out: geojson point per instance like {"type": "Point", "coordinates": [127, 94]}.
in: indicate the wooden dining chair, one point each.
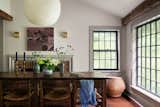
{"type": "Point", "coordinates": [55, 93]}
{"type": "Point", "coordinates": [16, 93]}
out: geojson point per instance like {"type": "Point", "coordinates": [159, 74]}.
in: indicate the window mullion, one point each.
{"type": "Point", "coordinates": [99, 48]}
{"type": "Point", "coordinates": [117, 48]}
{"type": "Point", "coordinates": [150, 57]}
{"type": "Point", "coordinates": [137, 56]}
{"type": "Point", "coordinates": [145, 57]}
{"type": "Point", "coordinates": [105, 48]}
{"type": "Point", "coordinates": [156, 55]}
{"type": "Point", "coordinates": [141, 56]}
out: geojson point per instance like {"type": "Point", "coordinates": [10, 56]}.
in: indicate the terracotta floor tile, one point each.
{"type": "Point", "coordinates": [117, 102]}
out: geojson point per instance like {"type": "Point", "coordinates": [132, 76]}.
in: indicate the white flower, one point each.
{"type": "Point", "coordinates": [55, 61]}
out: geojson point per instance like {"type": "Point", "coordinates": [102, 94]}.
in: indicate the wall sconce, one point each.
{"type": "Point", "coordinates": [64, 34]}
{"type": "Point", "coordinates": [16, 34]}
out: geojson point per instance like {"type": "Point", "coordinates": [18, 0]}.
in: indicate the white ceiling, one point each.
{"type": "Point", "coordinates": [116, 7]}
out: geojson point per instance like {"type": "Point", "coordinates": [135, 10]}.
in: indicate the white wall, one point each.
{"type": "Point", "coordinates": [76, 17]}
{"type": "Point", "coordinates": [5, 6]}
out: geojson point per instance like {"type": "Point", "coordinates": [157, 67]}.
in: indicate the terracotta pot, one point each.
{"type": "Point", "coordinates": [115, 87]}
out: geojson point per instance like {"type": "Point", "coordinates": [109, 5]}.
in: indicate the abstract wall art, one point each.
{"type": "Point", "coordinates": [40, 39]}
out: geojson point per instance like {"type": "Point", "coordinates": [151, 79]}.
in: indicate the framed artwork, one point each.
{"type": "Point", "coordinates": [40, 39]}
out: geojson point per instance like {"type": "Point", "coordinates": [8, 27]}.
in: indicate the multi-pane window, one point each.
{"type": "Point", "coordinates": [105, 50]}
{"type": "Point", "coordinates": [148, 56]}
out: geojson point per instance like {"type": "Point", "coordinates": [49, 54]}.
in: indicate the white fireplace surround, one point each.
{"type": "Point", "coordinates": [11, 60]}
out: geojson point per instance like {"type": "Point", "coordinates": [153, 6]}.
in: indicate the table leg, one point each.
{"type": "Point", "coordinates": [104, 92]}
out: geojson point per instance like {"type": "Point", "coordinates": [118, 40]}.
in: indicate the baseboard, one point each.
{"type": "Point", "coordinates": [132, 100]}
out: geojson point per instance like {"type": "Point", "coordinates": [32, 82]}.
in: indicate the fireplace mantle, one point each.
{"type": "Point", "coordinates": [66, 59]}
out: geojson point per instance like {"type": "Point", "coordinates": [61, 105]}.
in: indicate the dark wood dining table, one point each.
{"type": "Point", "coordinates": [35, 77]}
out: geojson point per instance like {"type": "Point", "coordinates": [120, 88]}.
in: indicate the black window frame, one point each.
{"type": "Point", "coordinates": [150, 68]}
{"type": "Point", "coordinates": [116, 50]}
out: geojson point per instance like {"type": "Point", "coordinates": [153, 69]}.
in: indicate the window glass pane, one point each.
{"type": "Point", "coordinates": [147, 40]}
{"type": "Point", "coordinates": [153, 86]}
{"type": "Point", "coordinates": [139, 71]}
{"type": "Point", "coordinates": [96, 64]}
{"type": "Point", "coordinates": [158, 64]}
{"type": "Point", "coordinates": [148, 29]}
{"type": "Point", "coordinates": [107, 45]}
{"type": "Point", "coordinates": [113, 36]}
{"type": "Point", "coordinates": [158, 38]}
{"type": "Point", "coordinates": [143, 82]}
{"type": "Point", "coordinates": [143, 31]}
{"type": "Point", "coordinates": [147, 51]}
{"type": "Point", "coordinates": [158, 26]}
{"type": "Point", "coordinates": [96, 55]}
{"type": "Point", "coordinates": [139, 51]}
{"type": "Point", "coordinates": [101, 36]}
{"type": "Point", "coordinates": [102, 64]}
{"type": "Point", "coordinates": [143, 72]}
{"type": "Point", "coordinates": [101, 45]}
{"type": "Point", "coordinates": [153, 30]}
{"type": "Point", "coordinates": [148, 74]}
{"type": "Point", "coordinates": [139, 81]}
{"type": "Point", "coordinates": [153, 42]}
{"type": "Point", "coordinates": [139, 32]}
{"type": "Point", "coordinates": [102, 55]}
{"type": "Point", "coordinates": [158, 51]}
{"type": "Point", "coordinates": [113, 45]}
{"type": "Point", "coordinates": [143, 62]}
{"type": "Point", "coordinates": [143, 41]}
{"type": "Point", "coordinates": [148, 84]}
{"type": "Point", "coordinates": [107, 36]}
{"type": "Point", "coordinates": [113, 55]}
{"type": "Point", "coordinates": [153, 51]}
{"type": "Point", "coordinates": [114, 65]}
{"type": "Point", "coordinates": [158, 89]}
{"type": "Point", "coordinates": [153, 76]}
{"type": "Point", "coordinates": [95, 45]}
{"type": "Point", "coordinates": [95, 36]}
{"type": "Point", "coordinates": [147, 62]}
{"type": "Point", "coordinates": [108, 55]}
{"type": "Point", "coordinates": [139, 61]}
{"type": "Point", "coordinates": [153, 63]}
{"type": "Point", "coordinates": [143, 52]}
{"type": "Point", "coordinates": [108, 63]}
{"type": "Point", "coordinates": [158, 76]}
{"type": "Point", "coordinates": [139, 42]}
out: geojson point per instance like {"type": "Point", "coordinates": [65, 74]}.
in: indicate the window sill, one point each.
{"type": "Point", "coordinates": [147, 94]}
{"type": "Point", "coordinates": [107, 71]}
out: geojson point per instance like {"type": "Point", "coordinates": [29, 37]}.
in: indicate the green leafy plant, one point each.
{"type": "Point", "coordinates": [48, 63]}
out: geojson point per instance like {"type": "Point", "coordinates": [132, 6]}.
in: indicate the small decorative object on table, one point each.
{"type": "Point", "coordinates": [16, 63]}
{"type": "Point", "coordinates": [45, 64]}
{"type": "Point", "coordinates": [48, 65]}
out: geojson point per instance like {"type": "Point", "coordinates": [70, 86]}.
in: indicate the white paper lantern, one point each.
{"type": "Point", "coordinates": [42, 12]}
